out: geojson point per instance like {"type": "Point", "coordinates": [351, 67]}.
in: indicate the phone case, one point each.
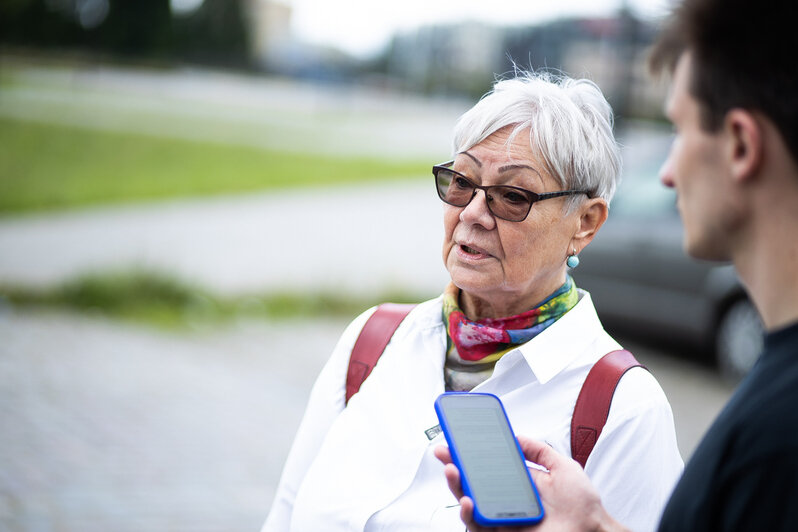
{"type": "Point", "coordinates": [478, 516]}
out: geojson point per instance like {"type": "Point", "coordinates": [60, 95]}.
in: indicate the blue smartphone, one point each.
{"type": "Point", "coordinates": [492, 468]}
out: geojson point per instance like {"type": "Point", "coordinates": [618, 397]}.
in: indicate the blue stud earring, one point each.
{"type": "Point", "coordinates": [573, 260]}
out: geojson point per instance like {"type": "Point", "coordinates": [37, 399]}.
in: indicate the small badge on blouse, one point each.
{"type": "Point", "coordinates": [433, 432]}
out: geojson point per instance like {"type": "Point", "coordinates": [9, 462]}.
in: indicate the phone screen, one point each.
{"type": "Point", "coordinates": [485, 450]}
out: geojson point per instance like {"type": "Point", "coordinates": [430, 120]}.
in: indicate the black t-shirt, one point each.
{"type": "Point", "coordinates": [744, 474]}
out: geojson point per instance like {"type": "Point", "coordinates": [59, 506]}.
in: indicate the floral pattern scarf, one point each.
{"type": "Point", "coordinates": [473, 347]}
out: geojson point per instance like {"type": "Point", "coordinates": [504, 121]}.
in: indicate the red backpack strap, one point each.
{"type": "Point", "coordinates": [371, 343]}
{"type": "Point", "coordinates": [593, 404]}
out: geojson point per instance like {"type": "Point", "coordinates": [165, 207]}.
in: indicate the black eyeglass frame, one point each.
{"type": "Point", "coordinates": [533, 197]}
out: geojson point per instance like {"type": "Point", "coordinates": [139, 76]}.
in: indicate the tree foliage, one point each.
{"type": "Point", "coordinates": [215, 33]}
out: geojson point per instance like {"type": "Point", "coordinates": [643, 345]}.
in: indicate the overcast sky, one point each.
{"type": "Point", "coordinates": [362, 27]}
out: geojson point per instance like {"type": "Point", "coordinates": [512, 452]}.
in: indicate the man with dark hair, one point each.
{"type": "Point", "coordinates": [734, 165]}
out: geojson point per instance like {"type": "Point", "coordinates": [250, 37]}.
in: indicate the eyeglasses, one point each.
{"type": "Point", "coordinates": [505, 202]}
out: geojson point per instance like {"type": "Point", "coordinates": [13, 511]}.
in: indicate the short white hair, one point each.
{"type": "Point", "coordinates": [570, 128]}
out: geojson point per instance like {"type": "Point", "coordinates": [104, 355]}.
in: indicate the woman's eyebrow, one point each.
{"type": "Point", "coordinates": [507, 167]}
{"type": "Point", "coordinates": [502, 169]}
{"type": "Point", "coordinates": [477, 161]}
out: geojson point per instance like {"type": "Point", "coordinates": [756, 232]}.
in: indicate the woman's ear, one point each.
{"type": "Point", "coordinates": [745, 144]}
{"type": "Point", "coordinates": [592, 215]}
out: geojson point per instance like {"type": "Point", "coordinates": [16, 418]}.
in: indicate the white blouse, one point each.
{"type": "Point", "coordinates": [369, 466]}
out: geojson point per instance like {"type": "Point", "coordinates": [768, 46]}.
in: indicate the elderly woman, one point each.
{"type": "Point", "coordinates": [535, 165]}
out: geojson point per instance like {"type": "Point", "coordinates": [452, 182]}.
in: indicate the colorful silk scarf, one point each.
{"type": "Point", "coordinates": [473, 347]}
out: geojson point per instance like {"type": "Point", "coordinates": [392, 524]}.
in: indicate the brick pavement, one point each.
{"type": "Point", "coordinates": [108, 426]}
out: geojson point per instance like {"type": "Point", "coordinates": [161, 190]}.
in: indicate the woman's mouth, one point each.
{"type": "Point", "coordinates": [471, 252]}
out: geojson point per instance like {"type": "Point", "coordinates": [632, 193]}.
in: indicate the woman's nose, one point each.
{"type": "Point", "coordinates": [477, 212]}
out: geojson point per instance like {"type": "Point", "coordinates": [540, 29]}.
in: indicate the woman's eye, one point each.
{"type": "Point", "coordinates": [512, 196]}
{"type": "Point", "coordinates": [462, 182]}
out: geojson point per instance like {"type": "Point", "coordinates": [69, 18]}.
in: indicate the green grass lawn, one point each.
{"type": "Point", "coordinates": [46, 166]}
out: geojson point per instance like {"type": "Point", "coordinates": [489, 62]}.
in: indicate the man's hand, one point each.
{"type": "Point", "coordinates": [570, 501]}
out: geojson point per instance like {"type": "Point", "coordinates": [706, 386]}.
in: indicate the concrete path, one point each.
{"type": "Point", "coordinates": [358, 238]}
{"type": "Point", "coordinates": [107, 426]}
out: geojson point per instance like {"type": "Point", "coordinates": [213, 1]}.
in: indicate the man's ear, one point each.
{"type": "Point", "coordinates": [745, 148]}
{"type": "Point", "coordinates": [592, 215]}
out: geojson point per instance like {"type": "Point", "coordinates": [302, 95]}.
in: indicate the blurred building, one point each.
{"type": "Point", "coordinates": [610, 51]}
{"type": "Point", "coordinates": [275, 49]}
{"type": "Point", "coordinates": [465, 58]}
{"type": "Point", "coordinates": [269, 28]}
{"type": "Point", "coordinates": [444, 59]}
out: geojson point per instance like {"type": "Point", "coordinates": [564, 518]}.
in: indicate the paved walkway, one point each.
{"type": "Point", "coordinates": [110, 427]}
{"type": "Point", "coordinates": [359, 238]}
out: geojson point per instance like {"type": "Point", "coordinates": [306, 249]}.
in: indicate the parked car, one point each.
{"type": "Point", "coordinates": [642, 281]}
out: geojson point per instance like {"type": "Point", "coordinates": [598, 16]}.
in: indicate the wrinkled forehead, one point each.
{"type": "Point", "coordinates": [515, 144]}
{"type": "Point", "coordinates": [511, 145]}
{"type": "Point", "coordinates": [505, 155]}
